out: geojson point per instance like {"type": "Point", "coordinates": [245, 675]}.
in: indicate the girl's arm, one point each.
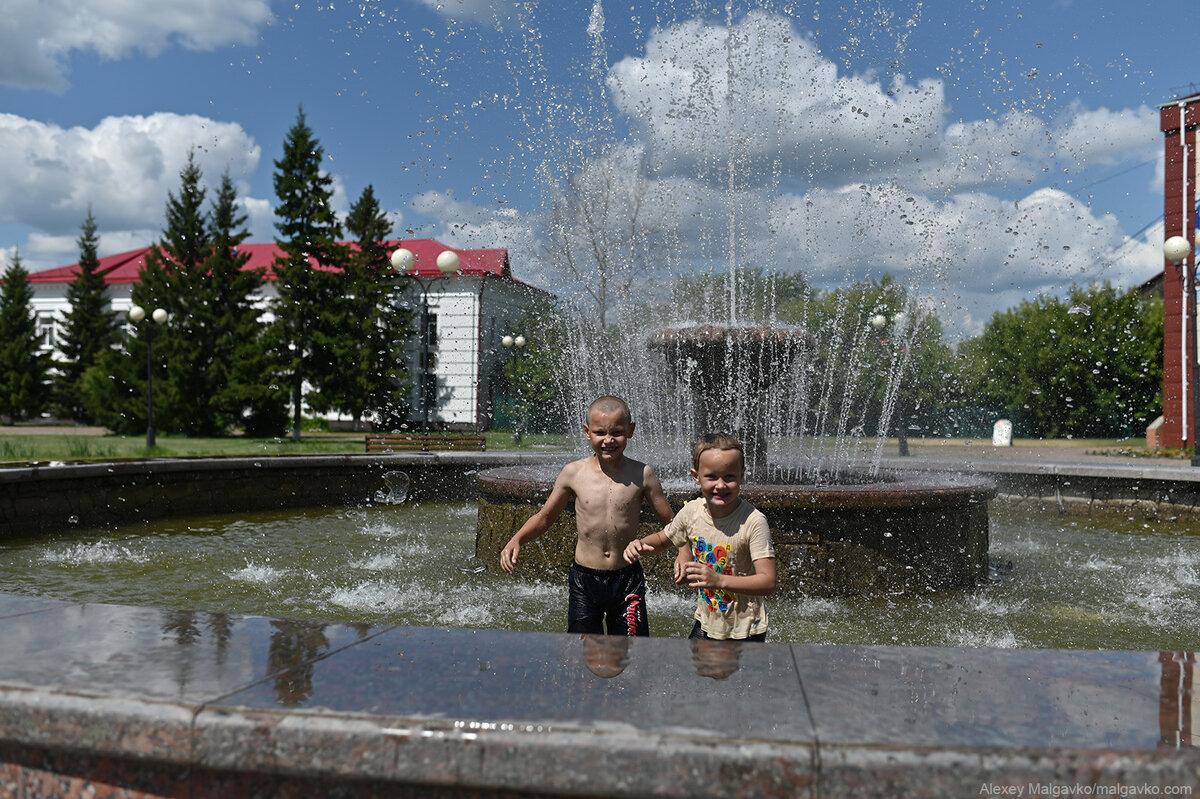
{"type": "Point", "coordinates": [645, 546]}
{"type": "Point", "coordinates": [761, 583]}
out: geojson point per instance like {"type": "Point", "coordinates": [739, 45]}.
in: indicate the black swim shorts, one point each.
{"type": "Point", "coordinates": [613, 596]}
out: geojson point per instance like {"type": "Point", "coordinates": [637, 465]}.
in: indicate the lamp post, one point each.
{"type": "Point", "coordinates": [879, 322]}
{"type": "Point", "coordinates": [405, 262]}
{"type": "Point", "coordinates": [136, 314]}
{"type": "Point", "coordinates": [515, 344]}
{"type": "Point", "coordinates": [1177, 249]}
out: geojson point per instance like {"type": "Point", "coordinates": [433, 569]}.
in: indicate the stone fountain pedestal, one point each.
{"type": "Point", "coordinates": [902, 533]}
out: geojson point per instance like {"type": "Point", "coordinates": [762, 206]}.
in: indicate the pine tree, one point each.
{"type": "Point", "coordinates": [308, 234]}
{"type": "Point", "coordinates": [89, 327]}
{"type": "Point", "coordinates": [23, 369]}
{"type": "Point", "coordinates": [242, 373]}
{"type": "Point", "coordinates": [175, 279]}
{"type": "Point", "coordinates": [173, 353]}
{"type": "Point", "coordinates": [370, 373]}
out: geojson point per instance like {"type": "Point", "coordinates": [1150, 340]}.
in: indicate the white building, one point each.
{"type": "Point", "coordinates": [470, 311]}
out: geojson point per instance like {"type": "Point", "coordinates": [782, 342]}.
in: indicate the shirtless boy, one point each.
{"type": "Point", "coordinates": [608, 490]}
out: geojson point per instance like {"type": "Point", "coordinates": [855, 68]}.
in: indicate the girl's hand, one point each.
{"type": "Point", "coordinates": [682, 559]}
{"type": "Point", "coordinates": [634, 551]}
{"type": "Point", "coordinates": [699, 575]}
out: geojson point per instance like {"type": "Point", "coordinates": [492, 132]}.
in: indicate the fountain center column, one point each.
{"type": "Point", "coordinates": [728, 369]}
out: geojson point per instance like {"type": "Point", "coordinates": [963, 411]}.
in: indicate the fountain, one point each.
{"type": "Point", "coordinates": [842, 530]}
{"type": "Point", "coordinates": [720, 364]}
{"type": "Point", "coordinates": [838, 532]}
{"type": "Point", "coordinates": [284, 706]}
{"type": "Point", "coordinates": [722, 358]}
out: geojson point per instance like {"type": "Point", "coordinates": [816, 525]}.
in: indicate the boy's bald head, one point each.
{"type": "Point", "coordinates": [609, 405]}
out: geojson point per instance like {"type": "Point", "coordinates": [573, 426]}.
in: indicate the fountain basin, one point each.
{"type": "Point", "coordinates": [903, 532]}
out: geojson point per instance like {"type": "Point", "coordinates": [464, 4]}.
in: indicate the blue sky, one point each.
{"type": "Point", "coordinates": [982, 151]}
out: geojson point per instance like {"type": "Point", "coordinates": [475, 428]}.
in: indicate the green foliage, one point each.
{"type": "Point", "coordinates": [760, 294]}
{"type": "Point", "coordinates": [902, 372]}
{"type": "Point", "coordinates": [113, 390]}
{"type": "Point", "coordinates": [209, 366]}
{"type": "Point", "coordinates": [303, 341]}
{"type": "Point", "coordinates": [24, 371]}
{"type": "Point", "coordinates": [174, 279]}
{"type": "Point", "coordinates": [368, 372]}
{"type": "Point", "coordinates": [241, 372]}
{"type": "Point", "coordinates": [1087, 365]}
{"type": "Point", "coordinates": [533, 375]}
{"type": "Point", "coordinates": [89, 327]}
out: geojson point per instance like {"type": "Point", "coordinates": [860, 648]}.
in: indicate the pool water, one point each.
{"type": "Point", "coordinates": [1078, 583]}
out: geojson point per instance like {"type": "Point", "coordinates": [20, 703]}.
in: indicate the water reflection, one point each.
{"type": "Point", "coordinates": [606, 655]}
{"type": "Point", "coordinates": [1130, 699]}
{"type": "Point", "coordinates": [1176, 699]}
{"type": "Point", "coordinates": [715, 659]}
{"type": "Point", "coordinates": [295, 646]}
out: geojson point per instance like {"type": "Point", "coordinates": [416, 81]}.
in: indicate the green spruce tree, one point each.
{"type": "Point", "coordinates": [175, 279]}
{"type": "Point", "coordinates": [308, 230]}
{"type": "Point", "coordinates": [369, 373]}
{"type": "Point", "coordinates": [242, 374]}
{"type": "Point", "coordinates": [24, 370]}
{"type": "Point", "coordinates": [170, 354]}
{"type": "Point", "coordinates": [89, 327]}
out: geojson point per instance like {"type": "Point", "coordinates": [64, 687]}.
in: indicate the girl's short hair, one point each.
{"type": "Point", "coordinates": [716, 441]}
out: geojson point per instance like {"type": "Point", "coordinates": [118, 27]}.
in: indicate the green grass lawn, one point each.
{"type": "Point", "coordinates": [23, 444]}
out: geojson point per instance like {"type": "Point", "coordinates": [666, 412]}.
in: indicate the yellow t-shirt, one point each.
{"type": "Point", "coordinates": [729, 546]}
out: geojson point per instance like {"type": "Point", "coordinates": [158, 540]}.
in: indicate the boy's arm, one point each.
{"type": "Point", "coordinates": [662, 509]}
{"type": "Point", "coordinates": [657, 497]}
{"type": "Point", "coordinates": [539, 522]}
{"type": "Point", "coordinates": [645, 546]}
{"type": "Point", "coordinates": [761, 583]}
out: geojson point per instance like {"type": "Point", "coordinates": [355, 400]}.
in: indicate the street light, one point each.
{"type": "Point", "coordinates": [879, 322]}
{"type": "Point", "coordinates": [405, 262]}
{"type": "Point", "coordinates": [515, 344]}
{"type": "Point", "coordinates": [1177, 249]}
{"type": "Point", "coordinates": [136, 314]}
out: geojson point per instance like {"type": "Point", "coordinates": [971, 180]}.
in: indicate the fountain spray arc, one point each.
{"type": "Point", "coordinates": [673, 320]}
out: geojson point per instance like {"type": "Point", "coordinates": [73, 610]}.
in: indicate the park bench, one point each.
{"type": "Point", "coordinates": [424, 442]}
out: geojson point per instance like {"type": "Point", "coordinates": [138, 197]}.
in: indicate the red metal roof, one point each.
{"type": "Point", "coordinates": [125, 267]}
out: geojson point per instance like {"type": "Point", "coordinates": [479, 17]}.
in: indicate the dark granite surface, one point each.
{"type": "Point", "coordinates": [802, 694]}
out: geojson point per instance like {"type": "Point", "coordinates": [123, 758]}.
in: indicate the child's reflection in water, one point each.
{"type": "Point", "coordinates": [716, 659]}
{"type": "Point", "coordinates": [607, 656]}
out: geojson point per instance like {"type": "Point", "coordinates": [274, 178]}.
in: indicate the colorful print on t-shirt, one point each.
{"type": "Point", "coordinates": [718, 559]}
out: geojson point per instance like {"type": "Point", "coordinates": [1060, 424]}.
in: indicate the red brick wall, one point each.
{"type": "Point", "coordinates": [1174, 203]}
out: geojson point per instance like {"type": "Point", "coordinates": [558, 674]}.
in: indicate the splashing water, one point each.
{"type": "Point", "coordinates": [397, 488]}
{"type": "Point", "coordinates": [1091, 584]}
{"type": "Point", "coordinates": [668, 166]}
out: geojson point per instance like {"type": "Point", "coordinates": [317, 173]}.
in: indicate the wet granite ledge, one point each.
{"type": "Point", "coordinates": [40, 499]}
{"type": "Point", "coordinates": [126, 701]}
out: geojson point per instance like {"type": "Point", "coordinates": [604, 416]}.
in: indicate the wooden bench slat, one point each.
{"type": "Point", "coordinates": [416, 442]}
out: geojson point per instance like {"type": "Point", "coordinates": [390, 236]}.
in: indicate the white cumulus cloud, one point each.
{"type": "Point", "coordinates": [122, 168]}
{"type": "Point", "coordinates": [37, 37]}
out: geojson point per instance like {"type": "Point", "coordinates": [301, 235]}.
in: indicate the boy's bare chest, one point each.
{"type": "Point", "coordinates": [609, 495]}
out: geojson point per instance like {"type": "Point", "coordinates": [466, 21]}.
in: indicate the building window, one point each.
{"type": "Point", "coordinates": [47, 330]}
{"type": "Point", "coordinates": [431, 330]}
